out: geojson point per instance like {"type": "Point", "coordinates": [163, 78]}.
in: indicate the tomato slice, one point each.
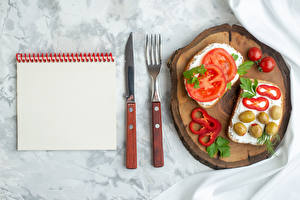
{"type": "Point", "coordinates": [211, 85]}
{"type": "Point", "coordinates": [259, 103]}
{"type": "Point", "coordinates": [269, 91]}
{"type": "Point", "coordinates": [223, 59]}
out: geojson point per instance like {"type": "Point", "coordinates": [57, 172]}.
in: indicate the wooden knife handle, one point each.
{"type": "Point", "coordinates": [131, 137]}
{"type": "Point", "coordinates": [158, 153]}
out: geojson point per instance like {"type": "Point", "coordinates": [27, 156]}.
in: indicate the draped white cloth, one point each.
{"type": "Point", "coordinates": [277, 24]}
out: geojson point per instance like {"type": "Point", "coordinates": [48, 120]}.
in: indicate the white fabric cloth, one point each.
{"type": "Point", "coordinates": [277, 24]}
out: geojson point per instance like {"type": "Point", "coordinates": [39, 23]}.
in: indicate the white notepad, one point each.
{"type": "Point", "coordinates": [66, 105]}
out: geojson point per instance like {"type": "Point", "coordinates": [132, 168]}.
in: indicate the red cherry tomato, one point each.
{"type": "Point", "coordinates": [211, 85]}
{"type": "Point", "coordinates": [259, 103]}
{"type": "Point", "coordinates": [267, 64]}
{"type": "Point", "coordinates": [223, 59]}
{"type": "Point", "coordinates": [269, 91]}
{"type": "Point", "coordinates": [254, 54]}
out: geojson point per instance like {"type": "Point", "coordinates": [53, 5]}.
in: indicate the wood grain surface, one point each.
{"type": "Point", "coordinates": [181, 105]}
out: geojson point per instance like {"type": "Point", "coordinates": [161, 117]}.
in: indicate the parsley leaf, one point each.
{"type": "Point", "coordinates": [244, 67]}
{"type": "Point", "coordinates": [247, 95]}
{"type": "Point", "coordinates": [254, 86]}
{"type": "Point", "coordinates": [228, 86]}
{"type": "Point", "coordinates": [249, 88]}
{"type": "Point", "coordinates": [221, 141]}
{"type": "Point", "coordinates": [190, 75]}
{"type": "Point", "coordinates": [246, 84]}
{"type": "Point", "coordinates": [196, 85]}
{"type": "Point", "coordinates": [235, 56]}
{"type": "Point", "coordinates": [221, 145]}
{"type": "Point", "coordinates": [212, 150]}
{"type": "Point", "coordinates": [224, 151]}
{"type": "Point", "coordinates": [194, 79]}
{"type": "Point", "coordinates": [202, 70]}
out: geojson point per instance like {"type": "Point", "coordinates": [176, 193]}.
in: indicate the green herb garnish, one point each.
{"type": "Point", "coordinates": [244, 67]}
{"type": "Point", "coordinates": [265, 139]}
{"type": "Point", "coordinates": [228, 86]}
{"type": "Point", "coordinates": [190, 75]}
{"type": "Point", "coordinates": [235, 56]}
{"type": "Point", "coordinates": [221, 145]}
{"type": "Point", "coordinates": [249, 88]}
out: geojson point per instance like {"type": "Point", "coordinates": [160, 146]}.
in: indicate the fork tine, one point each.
{"type": "Point", "coordinates": [156, 50]}
{"type": "Point", "coordinates": [160, 45]}
{"type": "Point", "coordinates": [152, 50]}
{"type": "Point", "coordinates": [147, 49]}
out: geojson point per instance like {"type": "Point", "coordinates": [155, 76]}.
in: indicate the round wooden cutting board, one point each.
{"type": "Point", "coordinates": [181, 105]}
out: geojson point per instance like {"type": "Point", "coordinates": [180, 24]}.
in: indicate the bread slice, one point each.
{"type": "Point", "coordinates": [197, 60]}
{"type": "Point", "coordinates": [239, 108]}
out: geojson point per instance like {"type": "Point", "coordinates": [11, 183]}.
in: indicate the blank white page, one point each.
{"type": "Point", "coordinates": [66, 106]}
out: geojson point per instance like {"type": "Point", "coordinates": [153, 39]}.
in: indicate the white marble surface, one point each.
{"type": "Point", "coordinates": [92, 25]}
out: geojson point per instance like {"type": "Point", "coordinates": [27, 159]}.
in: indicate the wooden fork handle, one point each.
{"type": "Point", "coordinates": [158, 153]}
{"type": "Point", "coordinates": [131, 156]}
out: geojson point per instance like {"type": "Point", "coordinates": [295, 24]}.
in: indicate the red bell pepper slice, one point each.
{"type": "Point", "coordinates": [212, 135]}
{"type": "Point", "coordinates": [259, 103]}
{"type": "Point", "coordinates": [269, 91]}
{"type": "Point", "coordinates": [205, 120]}
{"type": "Point", "coordinates": [200, 131]}
{"type": "Point", "coordinates": [210, 127]}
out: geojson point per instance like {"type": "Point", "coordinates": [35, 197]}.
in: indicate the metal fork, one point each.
{"type": "Point", "coordinates": [153, 48]}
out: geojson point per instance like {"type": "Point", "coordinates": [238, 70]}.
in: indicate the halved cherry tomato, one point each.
{"type": "Point", "coordinates": [211, 85]}
{"type": "Point", "coordinates": [223, 59]}
{"type": "Point", "coordinates": [269, 91]}
{"type": "Point", "coordinates": [259, 103]}
{"type": "Point", "coordinates": [254, 54]}
{"type": "Point", "coordinates": [267, 64]}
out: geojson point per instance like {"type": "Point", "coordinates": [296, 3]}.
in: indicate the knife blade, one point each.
{"type": "Point", "coordinates": [129, 65]}
{"type": "Point", "coordinates": [131, 154]}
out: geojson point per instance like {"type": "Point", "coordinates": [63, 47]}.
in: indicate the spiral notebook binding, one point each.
{"type": "Point", "coordinates": [64, 57]}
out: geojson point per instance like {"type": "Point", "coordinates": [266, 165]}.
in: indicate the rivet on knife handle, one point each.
{"type": "Point", "coordinates": [158, 153]}
{"type": "Point", "coordinates": [131, 155]}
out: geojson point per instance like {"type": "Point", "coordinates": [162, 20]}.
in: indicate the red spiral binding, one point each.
{"type": "Point", "coordinates": [68, 57]}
